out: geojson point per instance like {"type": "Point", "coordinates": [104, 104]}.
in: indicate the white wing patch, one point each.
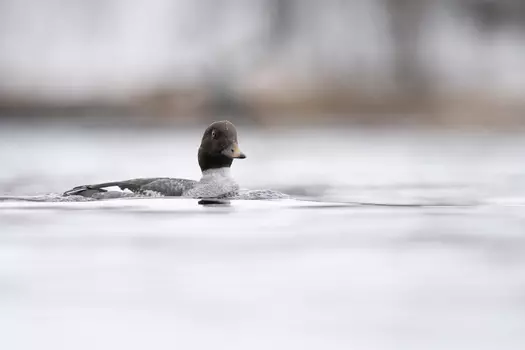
{"type": "Point", "coordinates": [150, 193]}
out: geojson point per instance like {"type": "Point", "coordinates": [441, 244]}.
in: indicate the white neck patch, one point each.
{"type": "Point", "coordinates": [216, 174]}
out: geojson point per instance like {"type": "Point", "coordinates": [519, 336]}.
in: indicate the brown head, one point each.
{"type": "Point", "coordinates": [219, 146]}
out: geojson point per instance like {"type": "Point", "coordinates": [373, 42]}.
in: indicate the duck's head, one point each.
{"type": "Point", "coordinates": [219, 146]}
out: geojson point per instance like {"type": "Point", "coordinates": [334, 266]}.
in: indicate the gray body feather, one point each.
{"type": "Point", "coordinates": [215, 183]}
{"type": "Point", "coordinates": [141, 187]}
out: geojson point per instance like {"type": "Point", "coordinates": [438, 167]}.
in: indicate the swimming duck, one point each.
{"type": "Point", "coordinates": [218, 148]}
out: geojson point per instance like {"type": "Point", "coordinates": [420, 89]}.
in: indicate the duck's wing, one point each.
{"type": "Point", "coordinates": [158, 186]}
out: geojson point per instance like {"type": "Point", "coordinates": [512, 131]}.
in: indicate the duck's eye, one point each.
{"type": "Point", "coordinates": [213, 134]}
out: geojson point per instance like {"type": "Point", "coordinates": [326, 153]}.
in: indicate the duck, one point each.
{"type": "Point", "coordinates": [218, 149]}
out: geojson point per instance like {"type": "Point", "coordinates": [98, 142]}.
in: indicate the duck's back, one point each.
{"type": "Point", "coordinates": [162, 186]}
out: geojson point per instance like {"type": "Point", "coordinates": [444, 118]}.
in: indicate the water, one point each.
{"type": "Point", "coordinates": [440, 267]}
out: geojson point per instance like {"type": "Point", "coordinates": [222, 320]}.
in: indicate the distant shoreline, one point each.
{"type": "Point", "coordinates": [278, 107]}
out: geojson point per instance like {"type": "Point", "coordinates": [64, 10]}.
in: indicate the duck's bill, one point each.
{"type": "Point", "coordinates": [233, 151]}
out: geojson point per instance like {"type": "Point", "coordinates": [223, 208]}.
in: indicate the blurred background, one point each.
{"type": "Point", "coordinates": [438, 62]}
{"type": "Point", "coordinates": [413, 109]}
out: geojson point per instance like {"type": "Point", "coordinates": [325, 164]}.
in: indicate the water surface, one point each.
{"type": "Point", "coordinates": [438, 265]}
